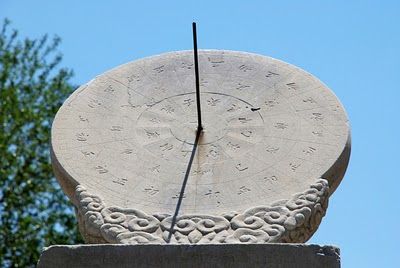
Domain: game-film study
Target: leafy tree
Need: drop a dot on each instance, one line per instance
(33, 210)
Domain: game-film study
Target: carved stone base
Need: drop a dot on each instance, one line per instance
(285, 221)
(211, 255)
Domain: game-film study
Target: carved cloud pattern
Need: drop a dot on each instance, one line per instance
(293, 220)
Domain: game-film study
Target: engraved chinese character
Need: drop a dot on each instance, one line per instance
(203, 82)
(245, 68)
(116, 128)
(101, 169)
(271, 74)
(309, 150)
(233, 146)
(317, 116)
(155, 169)
(159, 69)
(240, 167)
(281, 125)
(318, 133)
(186, 65)
(309, 100)
(241, 86)
(247, 133)
(179, 195)
(127, 151)
(294, 166)
(151, 190)
(272, 149)
(109, 89)
(234, 107)
(215, 61)
(94, 103)
(166, 147)
(212, 101)
(83, 119)
(150, 102)
(133, 77)
(152, 134)
(201, 171)
(292, 86)
(120, 181)
(210, 193)
(244, 120)
(271, 179)
(168, 109)
(188, 102)
(88, 153)
(271, 103)
(185, 152)
(129, 105)
(243, 189)
(82, 136)
(213, 153)
(155, 120)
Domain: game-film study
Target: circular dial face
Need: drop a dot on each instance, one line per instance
(270, 130)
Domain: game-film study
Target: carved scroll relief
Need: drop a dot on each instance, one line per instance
(293, 220)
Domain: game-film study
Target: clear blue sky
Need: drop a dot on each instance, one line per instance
(352, 46)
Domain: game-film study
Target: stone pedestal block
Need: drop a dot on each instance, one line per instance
(210, 255)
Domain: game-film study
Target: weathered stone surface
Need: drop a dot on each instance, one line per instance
(275, 145)
(293, 220)
(229, 255)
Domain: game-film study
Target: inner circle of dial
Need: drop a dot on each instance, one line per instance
(176, 115)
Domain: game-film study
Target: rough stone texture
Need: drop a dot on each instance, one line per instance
(122, 143)
(229, 255)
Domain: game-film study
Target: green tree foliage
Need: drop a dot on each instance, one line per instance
(33, 210)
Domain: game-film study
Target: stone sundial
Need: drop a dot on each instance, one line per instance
(127, 151)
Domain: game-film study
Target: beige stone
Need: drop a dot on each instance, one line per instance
(275, 145)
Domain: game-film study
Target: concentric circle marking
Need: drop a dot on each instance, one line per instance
(270, 131)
